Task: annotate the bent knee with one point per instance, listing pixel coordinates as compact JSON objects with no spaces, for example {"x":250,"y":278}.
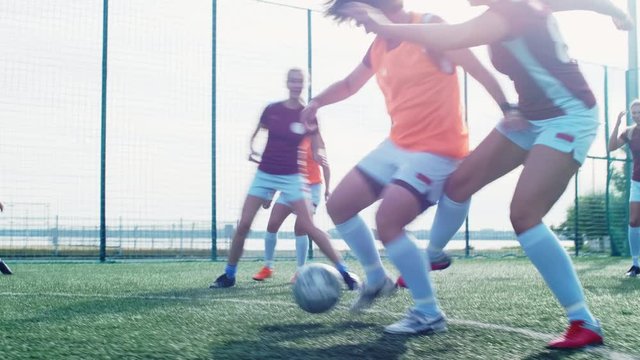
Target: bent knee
{"x":523,"y":219}
{"x":336,"y":211}
{"x":272,"y":228}
{"x":458,"y":188}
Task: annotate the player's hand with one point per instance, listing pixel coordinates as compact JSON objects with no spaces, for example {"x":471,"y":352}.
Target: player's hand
{"x":308,"y":116}
{"x":624,"y":23}
{"x":514,"y":121}
{"x":620,"y":117}
{"x":367,"y":16}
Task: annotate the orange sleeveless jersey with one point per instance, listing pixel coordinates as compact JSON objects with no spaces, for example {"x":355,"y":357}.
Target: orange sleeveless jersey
{"x":423,"y":101}
{"x":308,"y":166}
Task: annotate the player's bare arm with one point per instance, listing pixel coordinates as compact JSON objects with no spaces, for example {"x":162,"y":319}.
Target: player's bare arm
{"x":617,"y":139}
{"x":338,"y":91}
{"x":620,"y":18}
{"x":484,"y":29}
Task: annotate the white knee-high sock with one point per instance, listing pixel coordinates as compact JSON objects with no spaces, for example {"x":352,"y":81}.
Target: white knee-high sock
{"x":634,"y":244}
{"x":552,"y":261}
{"x":450,"y":216}
{"x":302,"y":248}
{"x":360,"y":239}
{"x":413,"y":264}
{"x":270,"y":240}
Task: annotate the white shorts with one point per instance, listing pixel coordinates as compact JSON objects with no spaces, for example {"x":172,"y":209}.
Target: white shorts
{"x":571,"y":133}
{"x":292,"y":187}
{"x":634,"y":191}
{"x":312,"y":193}
{"x":422,"y":173}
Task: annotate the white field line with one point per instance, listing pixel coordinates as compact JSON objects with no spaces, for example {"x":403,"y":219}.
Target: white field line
{"x":603,"y":351}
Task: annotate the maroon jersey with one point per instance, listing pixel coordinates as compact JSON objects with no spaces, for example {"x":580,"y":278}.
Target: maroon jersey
{"x":548,"y":82}
{"x":280,"y":156}
{"x":632,"y":138}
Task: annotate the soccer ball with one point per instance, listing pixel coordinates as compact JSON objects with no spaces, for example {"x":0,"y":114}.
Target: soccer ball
{"x":317,"y":288}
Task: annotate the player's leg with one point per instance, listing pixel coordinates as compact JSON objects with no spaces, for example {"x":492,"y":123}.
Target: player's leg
{"x":302,"y":238}
{"x":279,"y":213}
{"x":262,"y":189}
{"x":417,"y":185}
{"x":399,"y":207}
{"x":544,"y":178}
{"x":634,"y":228}
{"x":360,"y":188}
{"x":305,"y":222}
{"x":249,"y":210}
{"x":496,"y":156}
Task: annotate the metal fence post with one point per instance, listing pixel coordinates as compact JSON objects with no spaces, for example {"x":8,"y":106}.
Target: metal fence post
{"x":214,"y":228}
{"x":103,"y":133}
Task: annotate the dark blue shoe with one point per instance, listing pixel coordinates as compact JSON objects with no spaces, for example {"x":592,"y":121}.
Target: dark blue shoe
{"x":351,"y":280}
{"x":633,"y":272}
{"x":4,"y":269}
{"x":223,"y":281}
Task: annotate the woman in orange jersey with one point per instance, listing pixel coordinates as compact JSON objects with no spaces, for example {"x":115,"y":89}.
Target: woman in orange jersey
{"x":311,"y":159}
{"x":407,"y":171}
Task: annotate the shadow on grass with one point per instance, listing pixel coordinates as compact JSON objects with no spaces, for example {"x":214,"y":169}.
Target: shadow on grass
{"x":625,"y":285}
{"x":594,"y":264}
{"x":137,"y":303}
{"x":301,"y":341}
{"x":550,"y":354}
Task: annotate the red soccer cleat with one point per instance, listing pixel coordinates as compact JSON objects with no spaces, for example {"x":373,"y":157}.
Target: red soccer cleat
{"x":441,"y":263}
{"x":263,"y":274}
{"x":578,"y":335}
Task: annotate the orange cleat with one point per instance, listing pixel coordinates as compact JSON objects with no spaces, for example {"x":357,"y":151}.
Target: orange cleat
{"x":264,"y":273}
{"x":578,"y":335}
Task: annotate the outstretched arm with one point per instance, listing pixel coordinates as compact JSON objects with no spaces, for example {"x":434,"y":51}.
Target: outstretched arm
{"x":470,"y":63}
{"x":337,"y":91}
{"x":620,"y":18}
{"x":481,"y":30}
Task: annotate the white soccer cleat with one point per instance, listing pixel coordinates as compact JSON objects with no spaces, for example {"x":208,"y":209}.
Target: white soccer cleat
{"x":415,"y":323}
{"x":369,"y":294}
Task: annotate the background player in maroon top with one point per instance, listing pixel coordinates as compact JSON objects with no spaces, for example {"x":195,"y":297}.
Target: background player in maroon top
{"x":314,"y":166}
{"x":278,"y":171}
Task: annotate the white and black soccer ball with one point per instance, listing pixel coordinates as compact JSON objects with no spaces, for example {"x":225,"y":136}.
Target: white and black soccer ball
{"x":317,"y":288}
